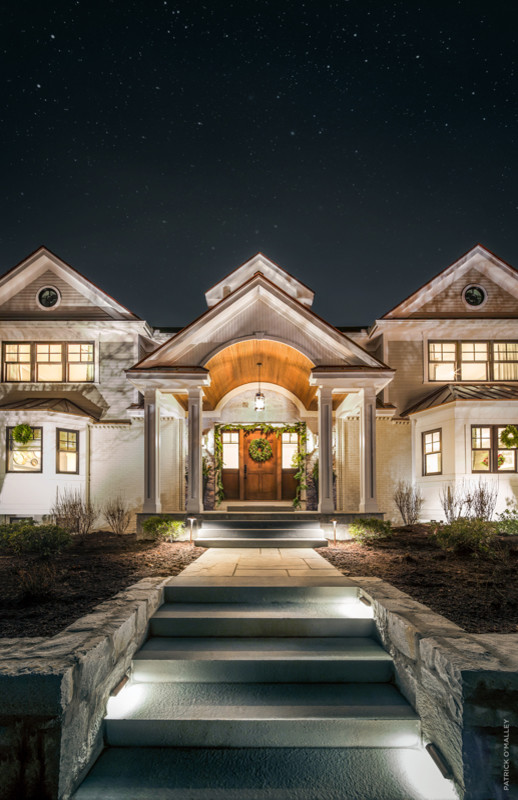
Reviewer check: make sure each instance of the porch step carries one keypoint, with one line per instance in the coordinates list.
(261, 524)
(240, 619)
(263, 533)
(261, 715)
(270, 596)
(262, 660)
(221, 541)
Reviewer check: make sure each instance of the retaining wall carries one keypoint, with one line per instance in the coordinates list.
(54, 693)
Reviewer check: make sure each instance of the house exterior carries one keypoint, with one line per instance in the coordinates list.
(172, 421)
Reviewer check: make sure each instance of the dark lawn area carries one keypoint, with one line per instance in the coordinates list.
(92, 570)
(479, 594)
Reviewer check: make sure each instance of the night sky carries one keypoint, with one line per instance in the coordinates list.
(362, 145)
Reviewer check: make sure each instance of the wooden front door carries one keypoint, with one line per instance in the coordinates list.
(261, 480)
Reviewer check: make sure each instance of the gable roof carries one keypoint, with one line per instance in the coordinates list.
(201, 333)
(276, 274)
(479, 258)
(43, 260)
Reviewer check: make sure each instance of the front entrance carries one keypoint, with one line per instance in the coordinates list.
(246, 478)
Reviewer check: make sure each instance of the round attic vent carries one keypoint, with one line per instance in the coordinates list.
(474, 296)
(48, 297)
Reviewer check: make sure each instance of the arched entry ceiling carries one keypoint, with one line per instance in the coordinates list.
(281, 365)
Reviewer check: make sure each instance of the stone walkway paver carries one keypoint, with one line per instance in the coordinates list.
(272, 565)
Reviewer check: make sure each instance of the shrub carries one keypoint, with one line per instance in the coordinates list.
(409, 501)
(368, 529)
(38, 580)
(452, 498)
(73, 512)
(163, 528)
(467, 535)
(117, 514)
(22, 538)
(469, 500)
(508, 521)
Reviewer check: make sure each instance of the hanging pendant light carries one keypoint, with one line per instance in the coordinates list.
(259, 397)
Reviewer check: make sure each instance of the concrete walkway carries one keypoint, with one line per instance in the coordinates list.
(270, 566)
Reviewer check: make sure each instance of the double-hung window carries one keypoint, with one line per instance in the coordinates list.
(24, 456)
(67, 451)
(488, 454)
(432, 452)
(48, 362)
(472, 361)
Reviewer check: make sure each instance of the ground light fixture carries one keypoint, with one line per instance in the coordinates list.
(334, 531)
(259, 401)
(191, 521)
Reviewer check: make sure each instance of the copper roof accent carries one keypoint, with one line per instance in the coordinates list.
(60, 405)
(471, 392)
(352, 368)
(175, 369)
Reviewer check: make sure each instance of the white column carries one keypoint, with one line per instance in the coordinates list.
(194, 473)
(326, 503)
(368, 501)
(151, 453)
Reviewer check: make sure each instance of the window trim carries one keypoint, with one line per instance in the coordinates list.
(458, 360)
(424, 454)
(8, 451)
(64, 360)
(493, 451)
(58, 451)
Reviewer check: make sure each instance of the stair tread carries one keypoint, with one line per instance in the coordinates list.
(282, 648)
(345, 610)
(251, 701)
(163, 773)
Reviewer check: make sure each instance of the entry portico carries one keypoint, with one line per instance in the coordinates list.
(311, 374)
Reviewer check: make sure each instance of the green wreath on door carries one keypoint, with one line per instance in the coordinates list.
(260, 450)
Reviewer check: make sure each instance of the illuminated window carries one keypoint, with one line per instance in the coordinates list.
(80, 362)
(474, 361)
(48, 362)
(432, 452)
(17, 362)
(505, 361)
(488, 454)
(230, 442)
(442, 360)
(290, 446)
(67, 451)
(24, 457)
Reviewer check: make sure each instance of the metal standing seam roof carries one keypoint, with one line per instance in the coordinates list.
(59, 404)
(456, 391)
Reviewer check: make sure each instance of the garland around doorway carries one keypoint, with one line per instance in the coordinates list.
(266, 429)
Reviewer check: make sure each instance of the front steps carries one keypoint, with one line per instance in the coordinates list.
(259, 693)
(262, 533)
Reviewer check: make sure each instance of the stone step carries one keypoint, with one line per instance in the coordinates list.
(225, 542)
(262, 660)
(264, 533)
(281, 619)
(162, 773)
(262, 524)
(260, 715)
(266, 595)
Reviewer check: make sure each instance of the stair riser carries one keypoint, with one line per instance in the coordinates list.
(240, 627)
(262, 733)
(259, 533)
(262, 671)
(258, 524)
(260, 594)
(263, 543)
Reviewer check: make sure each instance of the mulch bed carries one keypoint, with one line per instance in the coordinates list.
(91, 571)
(479, 594)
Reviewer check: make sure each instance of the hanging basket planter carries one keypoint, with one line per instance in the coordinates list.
(260, 450)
